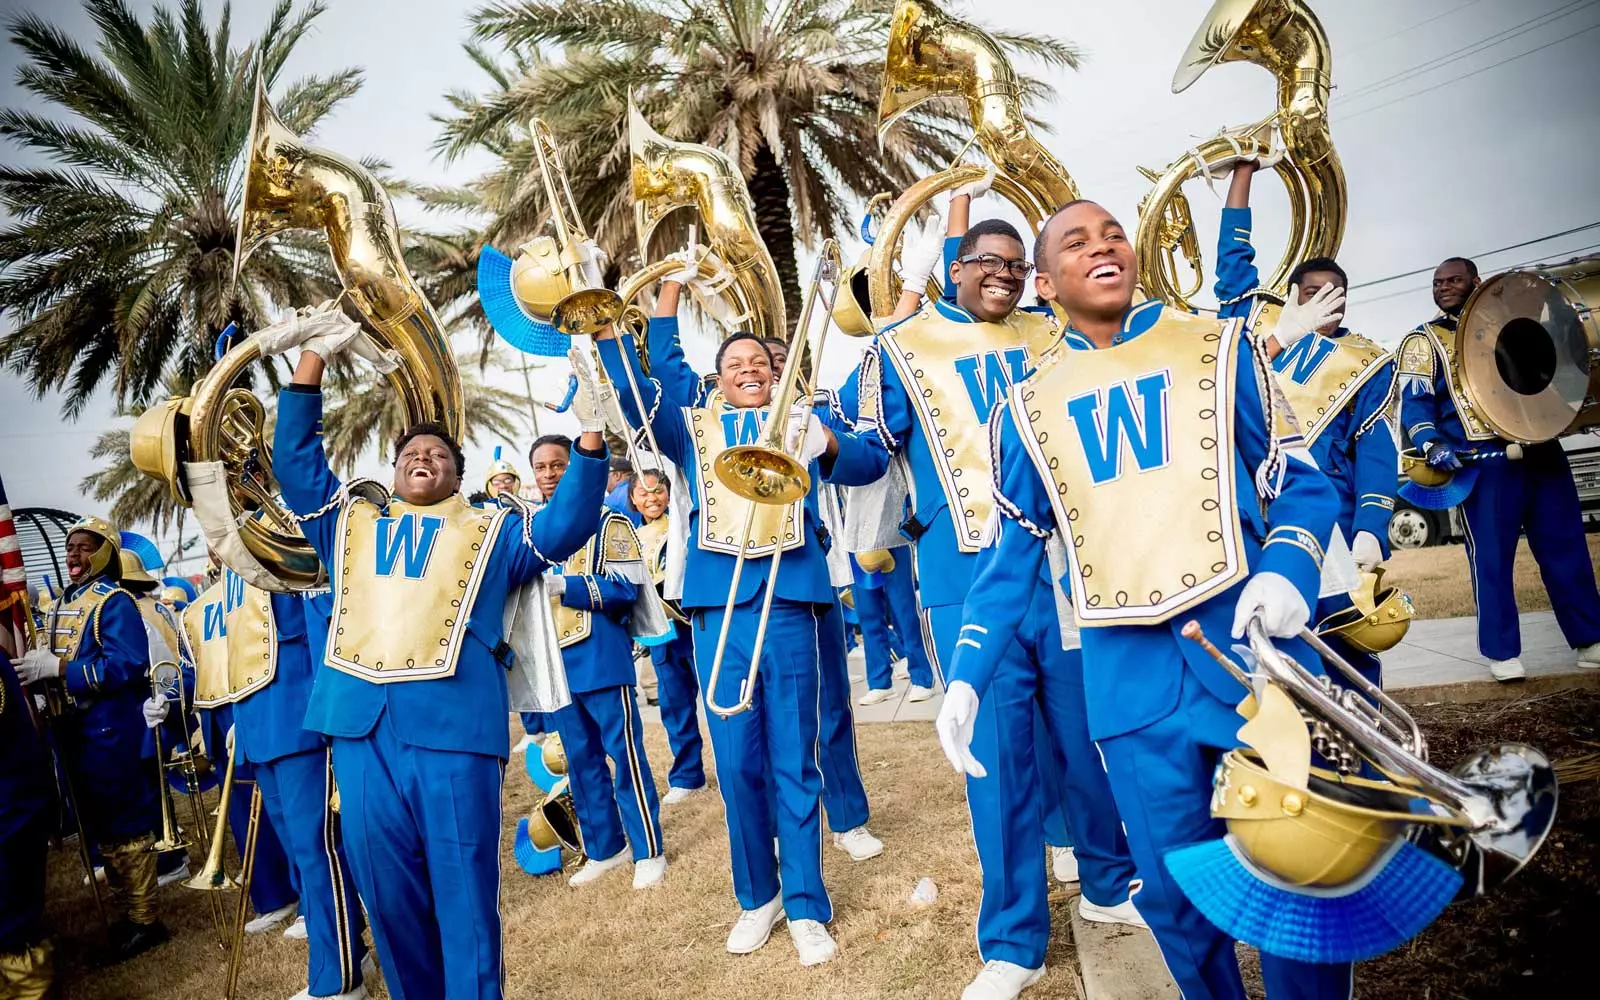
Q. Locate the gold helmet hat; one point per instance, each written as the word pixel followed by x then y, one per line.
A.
pixel 107 558
pixel 500 467
pixel 1376 620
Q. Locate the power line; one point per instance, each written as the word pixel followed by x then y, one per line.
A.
pixel 1423 288
pixel 1486 253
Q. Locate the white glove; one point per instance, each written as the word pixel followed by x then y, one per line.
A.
pixel 364 347
pixel 555 584
pixel 1264 151
pixel 37 665
pixel 1297 320
pixel 688 265
pixel 954 726
pixel 155 711
pixel 312 321
pixel 332 343
pixel 1273 599
pixel 918 258
pixel 227 741
pixel 1367 551
pixel 978 188
pixel 816 441
pixel 594 261
pixel 587 404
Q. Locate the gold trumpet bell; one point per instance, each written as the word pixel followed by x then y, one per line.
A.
pixel 764 475
pixel 586 312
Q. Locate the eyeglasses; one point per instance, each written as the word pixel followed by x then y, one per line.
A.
pixel 994 264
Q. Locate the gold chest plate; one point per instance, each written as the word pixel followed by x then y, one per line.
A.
pixel 954 374
pixel 1137 444
pixel 71 620
pixel 1420 354
pixel 615 542
pixel 156 620
pixel 404 581
pixel 572 625
pixel 233 639
pixel 722 511
pixel 1319 376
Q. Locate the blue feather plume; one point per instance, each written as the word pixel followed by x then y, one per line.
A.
pixel 505 314
pixel 223 344
pixel 144 548
pixel 529 858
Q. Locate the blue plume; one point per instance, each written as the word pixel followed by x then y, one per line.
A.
pixel 182 584
pixel 144 548
pixel 540 775
pixel 529 858
pixel 867 235
pixel 505 314
pixel 497 453
pixel 224 341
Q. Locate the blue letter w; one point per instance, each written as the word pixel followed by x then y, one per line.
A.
pixel 398 539
pixel 1303 359
pixel 216 623
pixel 1106 419
pixel 740 427
pixel 987 376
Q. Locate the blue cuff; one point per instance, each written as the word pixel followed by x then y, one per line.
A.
pixel 1295 554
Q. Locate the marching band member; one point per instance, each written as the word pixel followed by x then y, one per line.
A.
pixel 97 646
pixel 253 652
pixel 1339 384
pixel 674 659
pixel 968 350
pixel 885 598
pixel 1535 495
pixel 27 811
pixel 1152 437
pixel 160 621
pixel 593 600
pixel 414 695
pixel 844 794
pixel 775 743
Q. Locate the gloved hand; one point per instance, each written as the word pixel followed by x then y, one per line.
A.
pixel 155 711
pixel 1297 320
pixel 816 442
pixel 978 188
pixel 1441 455
pixel 37 665
pixel 594 261
pixel 333 342
pixel 1276 601
pixel 1367 550
pixel 919 257
pixel 309 321
pixel 555 584
pixel 364 347
pixel 688 261
pixel 587 403
pixel 227 741
pixel 1264 150
pixel 954 726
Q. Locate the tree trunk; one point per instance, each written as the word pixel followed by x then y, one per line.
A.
pixel 769 190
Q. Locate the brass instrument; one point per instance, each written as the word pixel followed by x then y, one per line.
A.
pixel 247 870
pixel 767 473
pixel 932 55
pixel 1528 351
pixel 213 876
pixel 554 821
pixel 1285 38
pixel 667 176
pixel 291 185
pixel 165 682
pixel 1486 817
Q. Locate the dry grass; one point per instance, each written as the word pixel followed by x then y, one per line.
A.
pixel 606 940
pixel 1440 586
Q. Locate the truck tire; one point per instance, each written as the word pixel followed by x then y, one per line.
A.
pixel 1410 528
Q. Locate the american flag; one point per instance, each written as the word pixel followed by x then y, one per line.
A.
pixel 13 585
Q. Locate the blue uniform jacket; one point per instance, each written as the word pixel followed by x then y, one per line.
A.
pixel 1124 690
pixel 803 572
pixel 27 786
pixel 605 658
pixel 944 572
pixel 467 711
pixel 1427 410
pixel 270 724
pixel 1364 467
pixel 109 680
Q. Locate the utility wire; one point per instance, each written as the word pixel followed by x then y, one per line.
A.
pixel 1486 253
pixel 1423 288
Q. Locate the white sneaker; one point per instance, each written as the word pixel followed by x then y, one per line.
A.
pixel 875 695
pixel 1589 656
pixel 919 693
pixel 675 794
pixel 267 921
pixel 812 941
pixel 1063 864
pixel 859 843
pixel 523 744
pixel 900 669
pixel 178 874
pixel 1122 913
pixel 1507 670
pixel 596 867
pixel 649 872
pixel 297 930
pixel 359 993
pixel 1001 981
pixel 754 927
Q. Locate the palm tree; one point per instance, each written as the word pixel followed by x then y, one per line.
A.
pixel 789 90
pixel 135 498
pixel 116 261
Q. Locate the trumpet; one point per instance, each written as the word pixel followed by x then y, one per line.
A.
pixel 766 474
pixel 165 682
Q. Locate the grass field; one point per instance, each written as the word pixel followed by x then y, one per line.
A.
pixel 1440 586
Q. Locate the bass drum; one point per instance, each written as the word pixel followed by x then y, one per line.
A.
pixel 1529 349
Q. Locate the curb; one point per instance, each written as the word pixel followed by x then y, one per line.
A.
pixel 1488 689
pixel 1119 962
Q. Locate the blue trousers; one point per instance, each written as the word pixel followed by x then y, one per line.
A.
pixel 774 742
pixel 294 793
pixel 1535 494
pixel 272 876
pixel 893 602
pixel 1161 777
pixel 1032 736
pixel 844 795
pixel 534 723
pixel 678 692
pixel 422 832
pixel 596 725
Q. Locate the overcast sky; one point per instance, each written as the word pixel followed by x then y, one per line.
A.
pixel 1461 125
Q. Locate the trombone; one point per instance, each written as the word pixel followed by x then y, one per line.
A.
pixel 766 473
pixel 166 683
